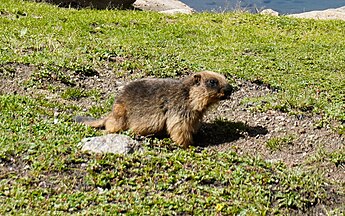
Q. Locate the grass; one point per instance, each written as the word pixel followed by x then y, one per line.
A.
pixel 45 172
pixel 276 143
pixel 42 170
pixel 295 55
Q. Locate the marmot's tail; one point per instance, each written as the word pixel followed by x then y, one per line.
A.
pixel 96 123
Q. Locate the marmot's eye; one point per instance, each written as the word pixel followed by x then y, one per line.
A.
pixel 212 83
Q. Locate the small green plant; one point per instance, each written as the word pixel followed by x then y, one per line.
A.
pixel 277 143
pixel 297 180
pixel 7 71
pixel 341 129
pixel 73 94
pixel 338 157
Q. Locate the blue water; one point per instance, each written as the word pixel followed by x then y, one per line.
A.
pixel 282 6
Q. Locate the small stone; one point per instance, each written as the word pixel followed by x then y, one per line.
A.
pixel 302 131
pixel 110 143
pixel 280 118
pixel 300 116
pixel 100 190
pixel 249 104
pixel 269 12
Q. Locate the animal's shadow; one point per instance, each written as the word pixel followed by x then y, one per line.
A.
pixel 223 131
pixel 94 4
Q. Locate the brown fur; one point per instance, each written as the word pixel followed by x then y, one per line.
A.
pixel 176 107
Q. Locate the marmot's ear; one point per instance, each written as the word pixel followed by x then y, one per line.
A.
pixel 197 79
pixel 193 80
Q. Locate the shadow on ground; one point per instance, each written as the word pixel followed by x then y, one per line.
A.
pixel 94 4
pixel 224 131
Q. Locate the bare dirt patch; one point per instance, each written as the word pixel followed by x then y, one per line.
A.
pixel 25 79
pixel 231 125
pixel 251 131
pixel 13 77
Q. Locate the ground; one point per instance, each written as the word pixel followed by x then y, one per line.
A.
pixel 233 124
pixel 276 147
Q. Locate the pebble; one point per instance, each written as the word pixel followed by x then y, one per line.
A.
pixel 110 143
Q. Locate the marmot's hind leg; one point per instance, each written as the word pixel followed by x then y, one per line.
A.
pixel 116 121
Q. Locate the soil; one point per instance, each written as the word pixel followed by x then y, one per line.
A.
pixel 231 125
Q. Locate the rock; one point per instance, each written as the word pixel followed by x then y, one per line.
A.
pixel 269 12
pixel 176 11
pixel 110 143
pixel 334 13
pixel 163 6
pixel 99 4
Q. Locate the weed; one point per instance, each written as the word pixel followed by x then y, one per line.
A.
pixel 277 143
pixel 73 94
pixel 338 157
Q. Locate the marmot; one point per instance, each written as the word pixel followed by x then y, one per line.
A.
pixel 173 107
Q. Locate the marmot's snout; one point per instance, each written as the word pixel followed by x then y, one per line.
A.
pixel 227 91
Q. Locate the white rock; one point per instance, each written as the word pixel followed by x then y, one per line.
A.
pixel 110 143
pixel 333 13
pixel 163 6
pixel 269 12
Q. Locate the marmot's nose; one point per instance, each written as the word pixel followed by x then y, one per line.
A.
pixel 228 90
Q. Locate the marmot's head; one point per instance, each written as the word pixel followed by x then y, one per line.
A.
pixel 207 88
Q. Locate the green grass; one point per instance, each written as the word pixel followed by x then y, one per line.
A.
pixel 276 143
pixel 298 56
pixel 45 172
pixel 42 170
pixel 77 93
